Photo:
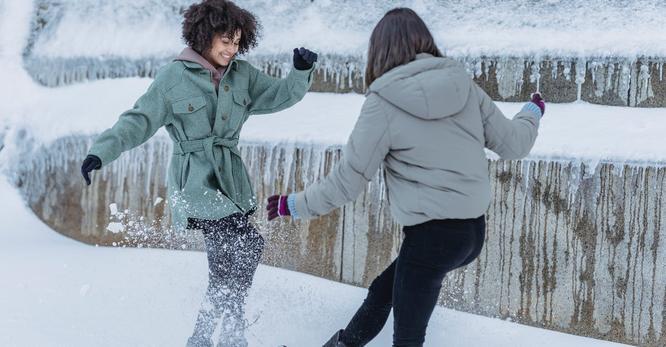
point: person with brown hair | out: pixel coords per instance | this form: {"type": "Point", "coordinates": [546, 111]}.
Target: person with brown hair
{"type": "Point", "coordinates": [203, 98]}
{"type": "Point", "coordinates": [427, 122]}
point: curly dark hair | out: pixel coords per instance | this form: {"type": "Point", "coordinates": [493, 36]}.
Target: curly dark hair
{"type": "Point", "coordinates": [208, 18]}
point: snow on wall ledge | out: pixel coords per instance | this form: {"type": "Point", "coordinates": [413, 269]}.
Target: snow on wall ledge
{"type": "Point", "coordinates": [606, 81]}
{"type": "Point", "coordinates": [567, 248]}
{"type": "Point", "coordinates": [602, 51]}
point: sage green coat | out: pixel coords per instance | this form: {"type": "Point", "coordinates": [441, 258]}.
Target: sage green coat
{"type": "Point", "coordinates": [207, 178]}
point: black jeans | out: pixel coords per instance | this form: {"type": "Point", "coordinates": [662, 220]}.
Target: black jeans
{"type": "Point", "coordinates": [234, 249]}
{"type": "Point", "coordinates": [411, 284]}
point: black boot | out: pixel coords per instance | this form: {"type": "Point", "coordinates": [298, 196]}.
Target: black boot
{"type": "Point", "coordinates": [335, 340]}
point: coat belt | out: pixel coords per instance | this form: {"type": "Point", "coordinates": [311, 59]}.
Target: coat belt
{"type": "Point", "coordinates": [205, 144]}
{"type": "Point", "coordinates": [229, 147]}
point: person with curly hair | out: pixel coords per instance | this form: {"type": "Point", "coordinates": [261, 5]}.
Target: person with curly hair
{"type": "Point", "coordinates": [203, 98]}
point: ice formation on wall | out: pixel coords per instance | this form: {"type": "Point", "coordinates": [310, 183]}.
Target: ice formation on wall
{"type": "Point", "coordinates": [73, 41]}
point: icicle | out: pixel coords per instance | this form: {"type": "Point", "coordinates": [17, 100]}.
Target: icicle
{"type": "Point", "coordinates": [535, 77]}
{"type": "Point", "coordinates": [593, 71]}
{"type": "Point", "coordinates": [592, 164]}
{"type": "Point", "coordinates": [580, 77]}
{"type": "Point", "coordinates": [289, 164]}
{"type": "Point", "coordinates": [567, 70]}
{"type": "Point", "coordinates": [624, 82]}
{"type": "Point", "coordinates": [486, 69]}
{"type": "Point", "coordinates": [644, 88]}
{"type": "Point", "coordinates": [553, 71]}
{"type": "Point", "coordinates": [478, 69]}
{"type": "Point", "coordinates": [306, 166]}
{"type": "Point", "coordinates": [363, 77]}
{"type": "Point", "coordinates": [286, 67]}
{"type": "Point", "coordinates": [610, 72]}
{"type": "Point", "coordinates": [338, 77]}
{"type": "Point", "coordinates": [509, 77]}
{"type": "Point", "coordinates": [271, 163]}
{"type": "Point", "coordinates": [599, 78]}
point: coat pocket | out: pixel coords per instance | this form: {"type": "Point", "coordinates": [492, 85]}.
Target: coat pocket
{"type": "Point", "coordinates": [241, 105]}
{"type": "Point", "coordinates": [192, 116]}
{"type": "Point", "coordinates": [242, 98]}
{"type": "Point", "coordinates": [188, 105]}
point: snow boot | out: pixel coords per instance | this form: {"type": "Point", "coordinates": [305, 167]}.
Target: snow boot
{"type": "Point", "coordinates": [335, 340]}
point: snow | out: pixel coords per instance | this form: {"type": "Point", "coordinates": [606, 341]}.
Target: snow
{"type": "Point", "coordinates": [576, 131]}
{"type": "Point", "coordinates": [568, 131]}
{"type": "Point", "coordinates": [93, 29]}
{"type": "Point", "coordinates": [14, 19]}
{"type": "Point", "coordinates": [115, 227]}
{"type": "Point", "coordinates": [561, 28]}
{"type": "Point", "coordinates": [59, 292]}
{"type": "Point", "coordinates": [113, 209]}
{"type": "Point", "coordinates": [580, 131]}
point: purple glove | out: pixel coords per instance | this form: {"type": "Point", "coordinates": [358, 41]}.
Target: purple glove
{"type": "Point", "coordinates": [277, 207]}
{"type": "Point", "coordinates": [538, 100]}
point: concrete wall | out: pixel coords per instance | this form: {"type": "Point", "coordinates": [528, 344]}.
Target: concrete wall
{"type": "Point", "coordinates": [568, 248]}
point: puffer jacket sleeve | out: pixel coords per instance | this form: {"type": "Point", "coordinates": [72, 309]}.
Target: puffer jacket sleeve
{"type": "Point", "coordinates": [364, 152]}
{"type": "Point", "coordinates": [133, 127]}
{"type": "Point", "coordinates": [270, 94]}
{"type": "Point", "coordinates": [509, 138]}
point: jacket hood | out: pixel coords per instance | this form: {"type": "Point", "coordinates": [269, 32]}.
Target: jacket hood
{"type": "Point", "coordinates": [427, 88]}
{"type": "Point", "coordinates": [190, 55]}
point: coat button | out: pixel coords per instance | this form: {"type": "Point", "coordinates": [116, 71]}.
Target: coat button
{"type": "Point", "coordinates": [225, 116]}
{"type": "Point", "coordinates": [190, 108]}
{"type": "Point", "coordinates": [226, 88]}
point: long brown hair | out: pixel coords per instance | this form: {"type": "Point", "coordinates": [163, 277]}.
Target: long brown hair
{"type": "Point", "coordinates": [396, 40]}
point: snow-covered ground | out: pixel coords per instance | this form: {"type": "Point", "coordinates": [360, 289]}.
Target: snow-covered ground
{"type": "Point", "coordinates": [55, 291]}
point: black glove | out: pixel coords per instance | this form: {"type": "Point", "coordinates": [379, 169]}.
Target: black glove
{"type": "Point", "coordinates": [304, 58]}
{"type": "Point", "coordinates": [92, 162]}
